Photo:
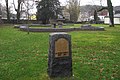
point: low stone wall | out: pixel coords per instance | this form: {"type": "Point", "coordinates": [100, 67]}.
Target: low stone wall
{"type": "Point", "coordinates": [59, 29]}
{"type": "Point", "coordinates": [42, 25]}
{"type": "Point", "coordinates": [86, 27]}
{"type": "Point", "coordinates": [46, 30]}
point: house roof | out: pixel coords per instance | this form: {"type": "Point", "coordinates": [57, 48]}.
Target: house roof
{"type": "Point", "coordinates": [115, 16]}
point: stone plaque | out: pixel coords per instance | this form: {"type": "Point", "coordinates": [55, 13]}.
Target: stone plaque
{"type": "Point", "coordinates": [61, 48]}
{"type": "Point", "coordinates": [60, 55]}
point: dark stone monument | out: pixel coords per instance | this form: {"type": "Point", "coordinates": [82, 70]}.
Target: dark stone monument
{"type": "Point", "coordinates": [60, 22]}
{"type": "Point", "coordinates": [53, 23]}
{"type": "Point", "coordinates": [60, 55]}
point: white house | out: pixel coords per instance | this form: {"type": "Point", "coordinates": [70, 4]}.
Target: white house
{"type": "Point", "coordinates": [100, 17]}
{"type": "Point", "coordinates": [116, 19]}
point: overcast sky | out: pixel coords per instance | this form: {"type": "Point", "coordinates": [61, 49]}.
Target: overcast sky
{"type": "Point", "coordinates": [94, 2]}
{"type": "Point", "coordinates": [82, 2]}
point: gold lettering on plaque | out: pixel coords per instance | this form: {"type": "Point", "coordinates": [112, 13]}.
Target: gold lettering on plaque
{"type": "Point", "coordinates": [61, 48]}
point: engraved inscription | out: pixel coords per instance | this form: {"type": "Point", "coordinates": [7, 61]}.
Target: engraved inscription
{"type": "Point", "coordinates": [61, 48]}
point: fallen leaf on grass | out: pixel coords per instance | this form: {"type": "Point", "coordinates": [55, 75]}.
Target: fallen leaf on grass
{"type": "Point", "coordinates": [94, 59]}
{"type": "Point", "coordinates": [101, 70]}
{"type": "Point", "coordinates": [101, 64]}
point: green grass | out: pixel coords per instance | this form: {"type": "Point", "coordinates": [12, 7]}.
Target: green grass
{"type": "Point", "coordinates": [96, 54]}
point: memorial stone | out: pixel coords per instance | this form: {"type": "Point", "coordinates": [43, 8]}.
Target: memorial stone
{"type": "Point", "coordinates": [60, 24]}
{"type": "Point", "coordinates": [60, 55]}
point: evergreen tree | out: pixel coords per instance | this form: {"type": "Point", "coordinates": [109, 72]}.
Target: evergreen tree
{"type": "Point", "coordinates": [48, 9]}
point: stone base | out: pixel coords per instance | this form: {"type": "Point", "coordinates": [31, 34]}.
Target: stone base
{"type": "Point", "coordinates": [60, 68]}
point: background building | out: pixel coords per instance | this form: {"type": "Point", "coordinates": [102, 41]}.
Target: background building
{"type": "Point", "coordinates": [116, 16]}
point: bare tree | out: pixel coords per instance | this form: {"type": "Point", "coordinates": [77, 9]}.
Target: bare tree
{"type": "Point", "coordinates": [0, 13]}
{"type": "Point", "coordinates": [111, 15]}
{"type": "Point", "coordinates": [0, 9]}
{"type": "Point", "coordinates": [73, 7]}
{"type": "Point", "coordinates": [18, 8]}
{"type": "Point", "coordinates": [7, 10]}
{"type": "Point", "coordinates": [29, 4]}
{"type": "Point", "coordinates": [110, 10]}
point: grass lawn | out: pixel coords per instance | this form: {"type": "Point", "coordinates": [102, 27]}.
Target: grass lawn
{"type": "Point", "coordinates": [96, 54]}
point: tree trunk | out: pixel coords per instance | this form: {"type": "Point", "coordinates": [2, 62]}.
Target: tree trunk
{"type": "Point", "coordinates": [7, 10]}
{"type": "Point", "coordinates": [111, 15]}
{"type": "Point", "coordinates": [18, 16]}
{"type": "Point", "coordinates": [95, 16]}
{"type": "Point", "coordinates": [18, 11]}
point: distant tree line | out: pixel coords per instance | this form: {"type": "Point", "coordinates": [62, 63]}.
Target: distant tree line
{"type": "Point", "coordinates": [50, 9]}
